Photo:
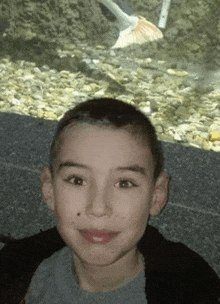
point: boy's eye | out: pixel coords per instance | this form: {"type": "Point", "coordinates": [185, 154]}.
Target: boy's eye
{"type": "Point", "coordinates": [75, 180]}
{"type": "Point", "coordinates": [126, 184]}
{"type": "Point", "coordinates": [78, 181]}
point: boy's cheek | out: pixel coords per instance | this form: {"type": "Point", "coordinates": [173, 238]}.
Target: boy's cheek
{"type": "Point", "coordinates": [141, 224]}
{"type": "Point", "coordinates": [63, 216]}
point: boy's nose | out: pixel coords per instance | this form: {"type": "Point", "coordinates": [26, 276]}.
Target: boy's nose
{"type": "Point", "coordinates": [98, 202]}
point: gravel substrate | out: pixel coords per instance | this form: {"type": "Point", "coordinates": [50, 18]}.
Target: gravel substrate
{"type": "Point", "coordinates": [183, 107]}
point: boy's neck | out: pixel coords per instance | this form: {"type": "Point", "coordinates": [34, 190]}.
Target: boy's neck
{"type": "Point", "coordinates": [96, 278]}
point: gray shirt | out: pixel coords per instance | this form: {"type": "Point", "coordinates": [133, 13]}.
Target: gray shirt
{"type": "Point", "coordinates": [54, 283]}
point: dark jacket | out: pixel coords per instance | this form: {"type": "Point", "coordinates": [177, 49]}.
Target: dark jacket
{"type": "Point", "coordinates": [174, 273]}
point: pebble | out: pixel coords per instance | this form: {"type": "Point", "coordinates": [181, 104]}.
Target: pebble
{"type": "Point", "coordinates": [178, 113]}
{"type": "Point", "coordinates": [177, 73]}
{"type": "Point", "coordinates": [214, 136]}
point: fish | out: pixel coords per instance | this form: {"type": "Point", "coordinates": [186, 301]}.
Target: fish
{"type": "Point", "coordinates": [132, 29]}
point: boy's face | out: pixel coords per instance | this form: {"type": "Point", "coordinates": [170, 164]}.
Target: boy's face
{"type": "Point", "coordinates": [103, 180]}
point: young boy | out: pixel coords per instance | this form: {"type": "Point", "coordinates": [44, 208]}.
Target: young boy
{"type": "Point", "coordinates": [105, 178]}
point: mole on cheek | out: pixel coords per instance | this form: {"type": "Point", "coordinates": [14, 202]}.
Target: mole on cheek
{"type": "Point", "coordinates": [78, 213]}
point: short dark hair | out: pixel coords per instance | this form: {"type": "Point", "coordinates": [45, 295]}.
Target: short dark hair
{"type": "Point", "coordinates": [115, 114]}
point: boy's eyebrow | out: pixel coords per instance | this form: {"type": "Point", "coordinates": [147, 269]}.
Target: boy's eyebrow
{"type": "Point", "coordinates": [134, 168]}
{"type": "Point", "coordinates": [72, 164]}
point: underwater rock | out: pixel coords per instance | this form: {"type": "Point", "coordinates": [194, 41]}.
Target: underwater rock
{"type": "Point", "coordinates": [177, 73]}
{"type": "Point", "coordinates": [214, 136]}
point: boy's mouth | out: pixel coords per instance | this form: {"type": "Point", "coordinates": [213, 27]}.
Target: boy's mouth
{"type": "Point", "coordinates": [98, 236]}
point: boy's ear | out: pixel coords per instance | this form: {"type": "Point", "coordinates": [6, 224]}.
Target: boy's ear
{"type": "Point", "coordinates": [46, 186]}
{"type": "Point", "coordinates": [160, 196]}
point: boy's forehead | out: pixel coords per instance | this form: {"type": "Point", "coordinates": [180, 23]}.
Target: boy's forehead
{"type": "Point", "coordinates": [89, 141]}
{"type": "Point", "coordinates": [76, 132]}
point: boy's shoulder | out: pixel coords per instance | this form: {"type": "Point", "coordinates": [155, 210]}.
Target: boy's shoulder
{"type": "Point", "coordinates": [45, 276]}
{"type": "Point", "coordinates": [174, 271]}
{"type": "Point", "coordinates": [48, 265]}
